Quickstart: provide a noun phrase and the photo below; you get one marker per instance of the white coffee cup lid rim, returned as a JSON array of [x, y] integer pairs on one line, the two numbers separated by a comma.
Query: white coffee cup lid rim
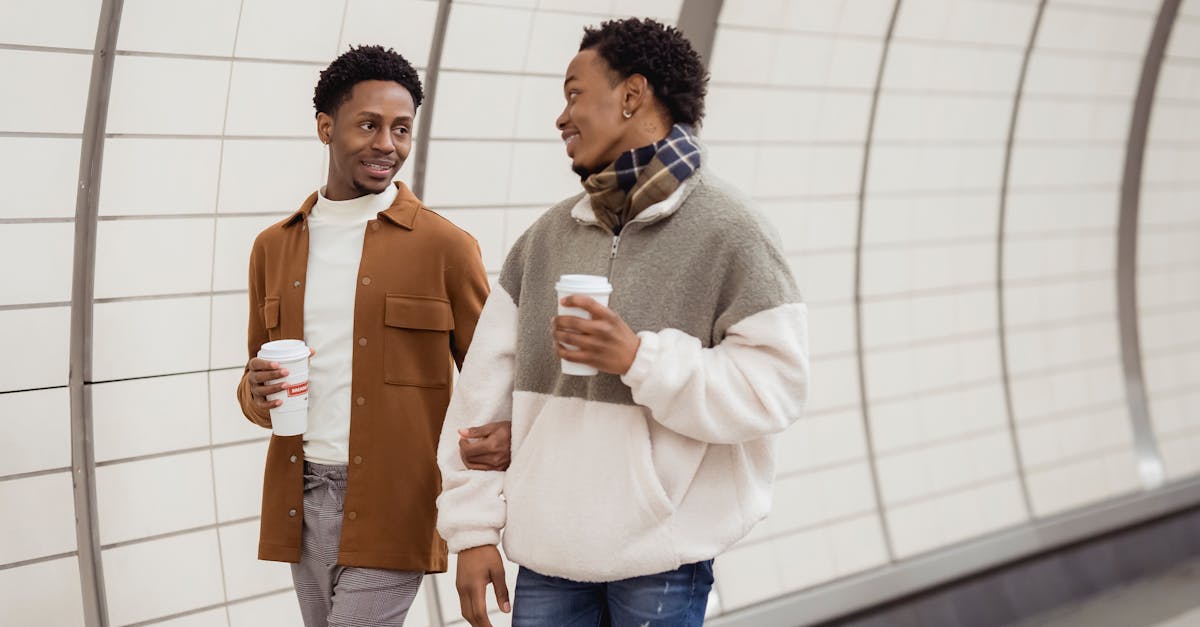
[[583, 283], [284, 350]]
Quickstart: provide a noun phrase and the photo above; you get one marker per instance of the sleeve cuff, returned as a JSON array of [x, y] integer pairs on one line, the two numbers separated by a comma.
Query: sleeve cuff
[[643, 362], [469, 539]]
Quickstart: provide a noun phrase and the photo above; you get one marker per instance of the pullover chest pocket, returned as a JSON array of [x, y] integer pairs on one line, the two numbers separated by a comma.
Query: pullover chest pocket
[[417, 340]]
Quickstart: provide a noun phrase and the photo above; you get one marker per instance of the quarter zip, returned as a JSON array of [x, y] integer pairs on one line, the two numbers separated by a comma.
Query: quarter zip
[[612, 257]]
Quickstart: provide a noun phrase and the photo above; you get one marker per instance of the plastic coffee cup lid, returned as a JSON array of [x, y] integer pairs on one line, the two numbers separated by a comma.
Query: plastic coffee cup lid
[[583, 283], [284, 350]]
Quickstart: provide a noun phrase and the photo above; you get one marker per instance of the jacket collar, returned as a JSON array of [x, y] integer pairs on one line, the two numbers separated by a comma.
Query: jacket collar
[[402, 212], [584, 213]]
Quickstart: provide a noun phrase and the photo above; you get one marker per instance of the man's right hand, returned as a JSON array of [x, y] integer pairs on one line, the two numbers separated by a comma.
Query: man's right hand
[[477, 567], [260, 372]]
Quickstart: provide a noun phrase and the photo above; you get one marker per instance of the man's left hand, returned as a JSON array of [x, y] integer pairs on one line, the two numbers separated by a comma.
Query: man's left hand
[[605, 342]]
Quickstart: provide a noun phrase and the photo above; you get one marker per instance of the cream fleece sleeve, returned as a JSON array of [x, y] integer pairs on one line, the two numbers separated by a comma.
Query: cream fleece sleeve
[[753, 384], [471, 507]]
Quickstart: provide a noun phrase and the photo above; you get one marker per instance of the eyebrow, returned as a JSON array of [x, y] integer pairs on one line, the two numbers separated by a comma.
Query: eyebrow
[[569, 79], [376, 116]]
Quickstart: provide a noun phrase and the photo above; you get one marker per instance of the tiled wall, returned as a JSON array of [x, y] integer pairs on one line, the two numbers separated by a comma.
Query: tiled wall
[[956, 244]]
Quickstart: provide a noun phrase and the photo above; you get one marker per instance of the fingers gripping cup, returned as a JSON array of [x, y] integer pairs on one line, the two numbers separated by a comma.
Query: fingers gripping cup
[[290, 418], [596, 287]]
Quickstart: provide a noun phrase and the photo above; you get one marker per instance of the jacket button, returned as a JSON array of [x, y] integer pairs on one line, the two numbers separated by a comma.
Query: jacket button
[[360, 400], [352, 515], [366, 280], [362, 341], [296, 284], [292, 513], [358, 459], [292, 459]]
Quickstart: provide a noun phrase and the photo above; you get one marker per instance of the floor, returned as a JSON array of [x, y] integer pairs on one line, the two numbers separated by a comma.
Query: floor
[[1168, 600]]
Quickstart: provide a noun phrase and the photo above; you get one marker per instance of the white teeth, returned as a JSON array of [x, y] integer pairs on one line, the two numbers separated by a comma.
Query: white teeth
[[377, 166]]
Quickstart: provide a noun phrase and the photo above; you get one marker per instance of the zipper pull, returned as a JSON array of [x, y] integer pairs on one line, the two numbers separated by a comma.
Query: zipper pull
[[616, 242]]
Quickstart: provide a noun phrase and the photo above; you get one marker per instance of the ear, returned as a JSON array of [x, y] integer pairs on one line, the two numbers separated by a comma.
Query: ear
[[637, 93], [324, 128]]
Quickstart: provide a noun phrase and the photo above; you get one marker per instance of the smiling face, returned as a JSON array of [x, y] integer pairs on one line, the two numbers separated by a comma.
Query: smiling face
[[369, 137], [592, 123]]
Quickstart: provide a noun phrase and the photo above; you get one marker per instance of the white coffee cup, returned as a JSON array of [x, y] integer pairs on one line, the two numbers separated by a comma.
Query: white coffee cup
[[290, 418], [596, 287]]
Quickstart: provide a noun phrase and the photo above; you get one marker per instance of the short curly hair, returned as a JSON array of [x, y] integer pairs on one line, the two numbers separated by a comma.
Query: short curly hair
[[660, 53], [364, 63]]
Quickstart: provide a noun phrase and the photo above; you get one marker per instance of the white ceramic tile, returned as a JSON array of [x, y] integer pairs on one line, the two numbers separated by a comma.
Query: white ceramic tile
[[506, 30], [56, 23], [56, 106], [43, 337], [51, 531], [1081, 75], [154, 496], [153, 257], [489, 161], [864, 17], [804, 559], [541, 175], [487, 227], [857, 545], [272, 100], [143, 338], [914, 529], [231, 255], [539, 103], [228, 331], [40, 259], [740, 56], [745, 13], [239, 480], [1071, 29], [211, 618], [308, 32], [375, 22], [45, 593], [272, 176], [179, 26], [745, 576], [665, 11], [228, 423], [947, 20], [145, 416], [159, 176], [554, 40], [278, 610], [245, 574], [41, 421], [147, 580], [167, 96], [39, 174], [835, 393], [471, 105]]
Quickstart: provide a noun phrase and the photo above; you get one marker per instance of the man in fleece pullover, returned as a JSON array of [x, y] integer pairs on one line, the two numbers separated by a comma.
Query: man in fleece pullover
[[624, 486]]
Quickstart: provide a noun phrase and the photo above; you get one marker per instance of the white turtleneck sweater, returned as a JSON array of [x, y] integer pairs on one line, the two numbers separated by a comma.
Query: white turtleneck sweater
[[335, 241]]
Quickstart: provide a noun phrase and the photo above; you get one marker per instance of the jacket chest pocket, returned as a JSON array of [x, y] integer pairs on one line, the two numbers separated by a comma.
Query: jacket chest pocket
[[270, 314], [416, 348]]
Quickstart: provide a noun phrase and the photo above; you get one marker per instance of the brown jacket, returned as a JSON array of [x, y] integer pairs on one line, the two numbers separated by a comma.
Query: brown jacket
[[421, 287]]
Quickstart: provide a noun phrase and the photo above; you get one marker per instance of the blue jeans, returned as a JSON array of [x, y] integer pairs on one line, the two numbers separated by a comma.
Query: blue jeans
[[672, 599]]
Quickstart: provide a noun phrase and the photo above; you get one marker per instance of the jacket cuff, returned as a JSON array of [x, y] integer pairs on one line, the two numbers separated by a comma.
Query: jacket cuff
[[643, 362], [471, 538]]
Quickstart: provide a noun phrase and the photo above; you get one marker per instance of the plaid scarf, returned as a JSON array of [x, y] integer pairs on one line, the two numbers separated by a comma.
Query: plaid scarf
[[641, 177]]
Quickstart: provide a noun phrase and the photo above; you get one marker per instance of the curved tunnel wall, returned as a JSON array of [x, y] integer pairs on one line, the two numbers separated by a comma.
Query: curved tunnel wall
[[947, 177]]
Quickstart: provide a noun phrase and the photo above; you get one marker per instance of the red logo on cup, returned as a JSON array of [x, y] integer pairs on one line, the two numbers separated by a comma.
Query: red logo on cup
[[299, 389]]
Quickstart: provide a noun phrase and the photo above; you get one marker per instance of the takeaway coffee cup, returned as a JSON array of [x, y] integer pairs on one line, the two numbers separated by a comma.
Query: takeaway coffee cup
[[596, 287], [290, 418]]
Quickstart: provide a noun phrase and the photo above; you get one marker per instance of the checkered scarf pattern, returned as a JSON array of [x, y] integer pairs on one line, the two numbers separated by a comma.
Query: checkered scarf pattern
[[642, 176]]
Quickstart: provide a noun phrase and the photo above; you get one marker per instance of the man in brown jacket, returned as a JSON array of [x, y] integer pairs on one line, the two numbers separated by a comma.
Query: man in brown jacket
[[387, 293]]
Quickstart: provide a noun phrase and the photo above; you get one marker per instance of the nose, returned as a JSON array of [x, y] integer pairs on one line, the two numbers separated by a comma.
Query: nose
[[561, 122], [383, 141]]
